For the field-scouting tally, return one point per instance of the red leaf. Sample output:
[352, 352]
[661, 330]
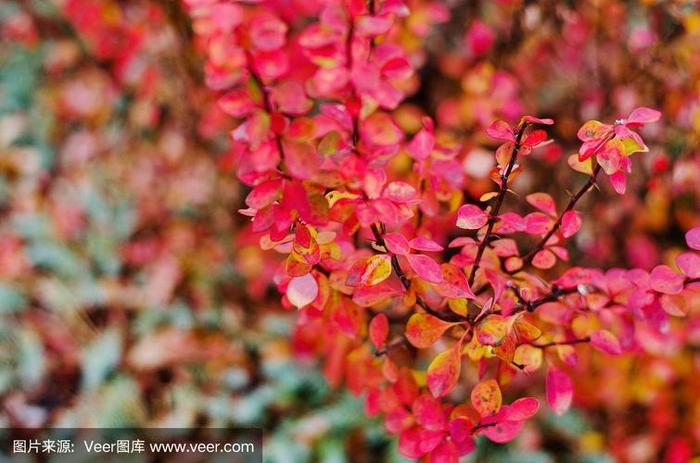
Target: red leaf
[534, 138]
[606, 342]
[379, 330]
[422, 330]
[428, 412]
[443, 371]
[425, 267]
[559, 390]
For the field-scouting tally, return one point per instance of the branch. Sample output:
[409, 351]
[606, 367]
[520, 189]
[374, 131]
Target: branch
[527, 259]
[406, 282]
[554, 295]
[502, 190]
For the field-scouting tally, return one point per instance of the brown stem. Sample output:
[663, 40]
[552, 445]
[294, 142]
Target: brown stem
[554, 295]
[527, 259]
[502, 190]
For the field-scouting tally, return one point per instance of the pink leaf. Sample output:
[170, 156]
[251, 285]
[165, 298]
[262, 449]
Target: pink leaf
[500, 130]
[559, 390]
[446, 452]
[618, 180]
[544, 260]
[606, 342]
[290, 98]
[421, 145]
[425, 267]
[537, 120]
[570, 223]
[301, 159]
[692, 237]
[689, 263]
[267, 32]
[264, 194]
[504, 431]
[236, 103]
[543, 202]
[421, 243]
[302, 290]
[400, 192]
[537, 223]
[522, 409]
[643, 116]
[471, 217]
[379, 129]
[379, 330]
[664, 280]
[397, 243]
[428, 412]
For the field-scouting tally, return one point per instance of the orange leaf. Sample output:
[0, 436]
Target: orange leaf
[492, 330]
[486, 397]
[443, 371]
[422, 330]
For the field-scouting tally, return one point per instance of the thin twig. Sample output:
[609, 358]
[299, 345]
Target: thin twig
[555, 293]
[527, 259]
[502, 190]
[406, 282]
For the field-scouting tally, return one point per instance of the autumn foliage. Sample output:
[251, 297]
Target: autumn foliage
[427, 300]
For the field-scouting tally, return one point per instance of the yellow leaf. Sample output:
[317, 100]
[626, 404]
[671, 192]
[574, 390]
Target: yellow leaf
[378, 269]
